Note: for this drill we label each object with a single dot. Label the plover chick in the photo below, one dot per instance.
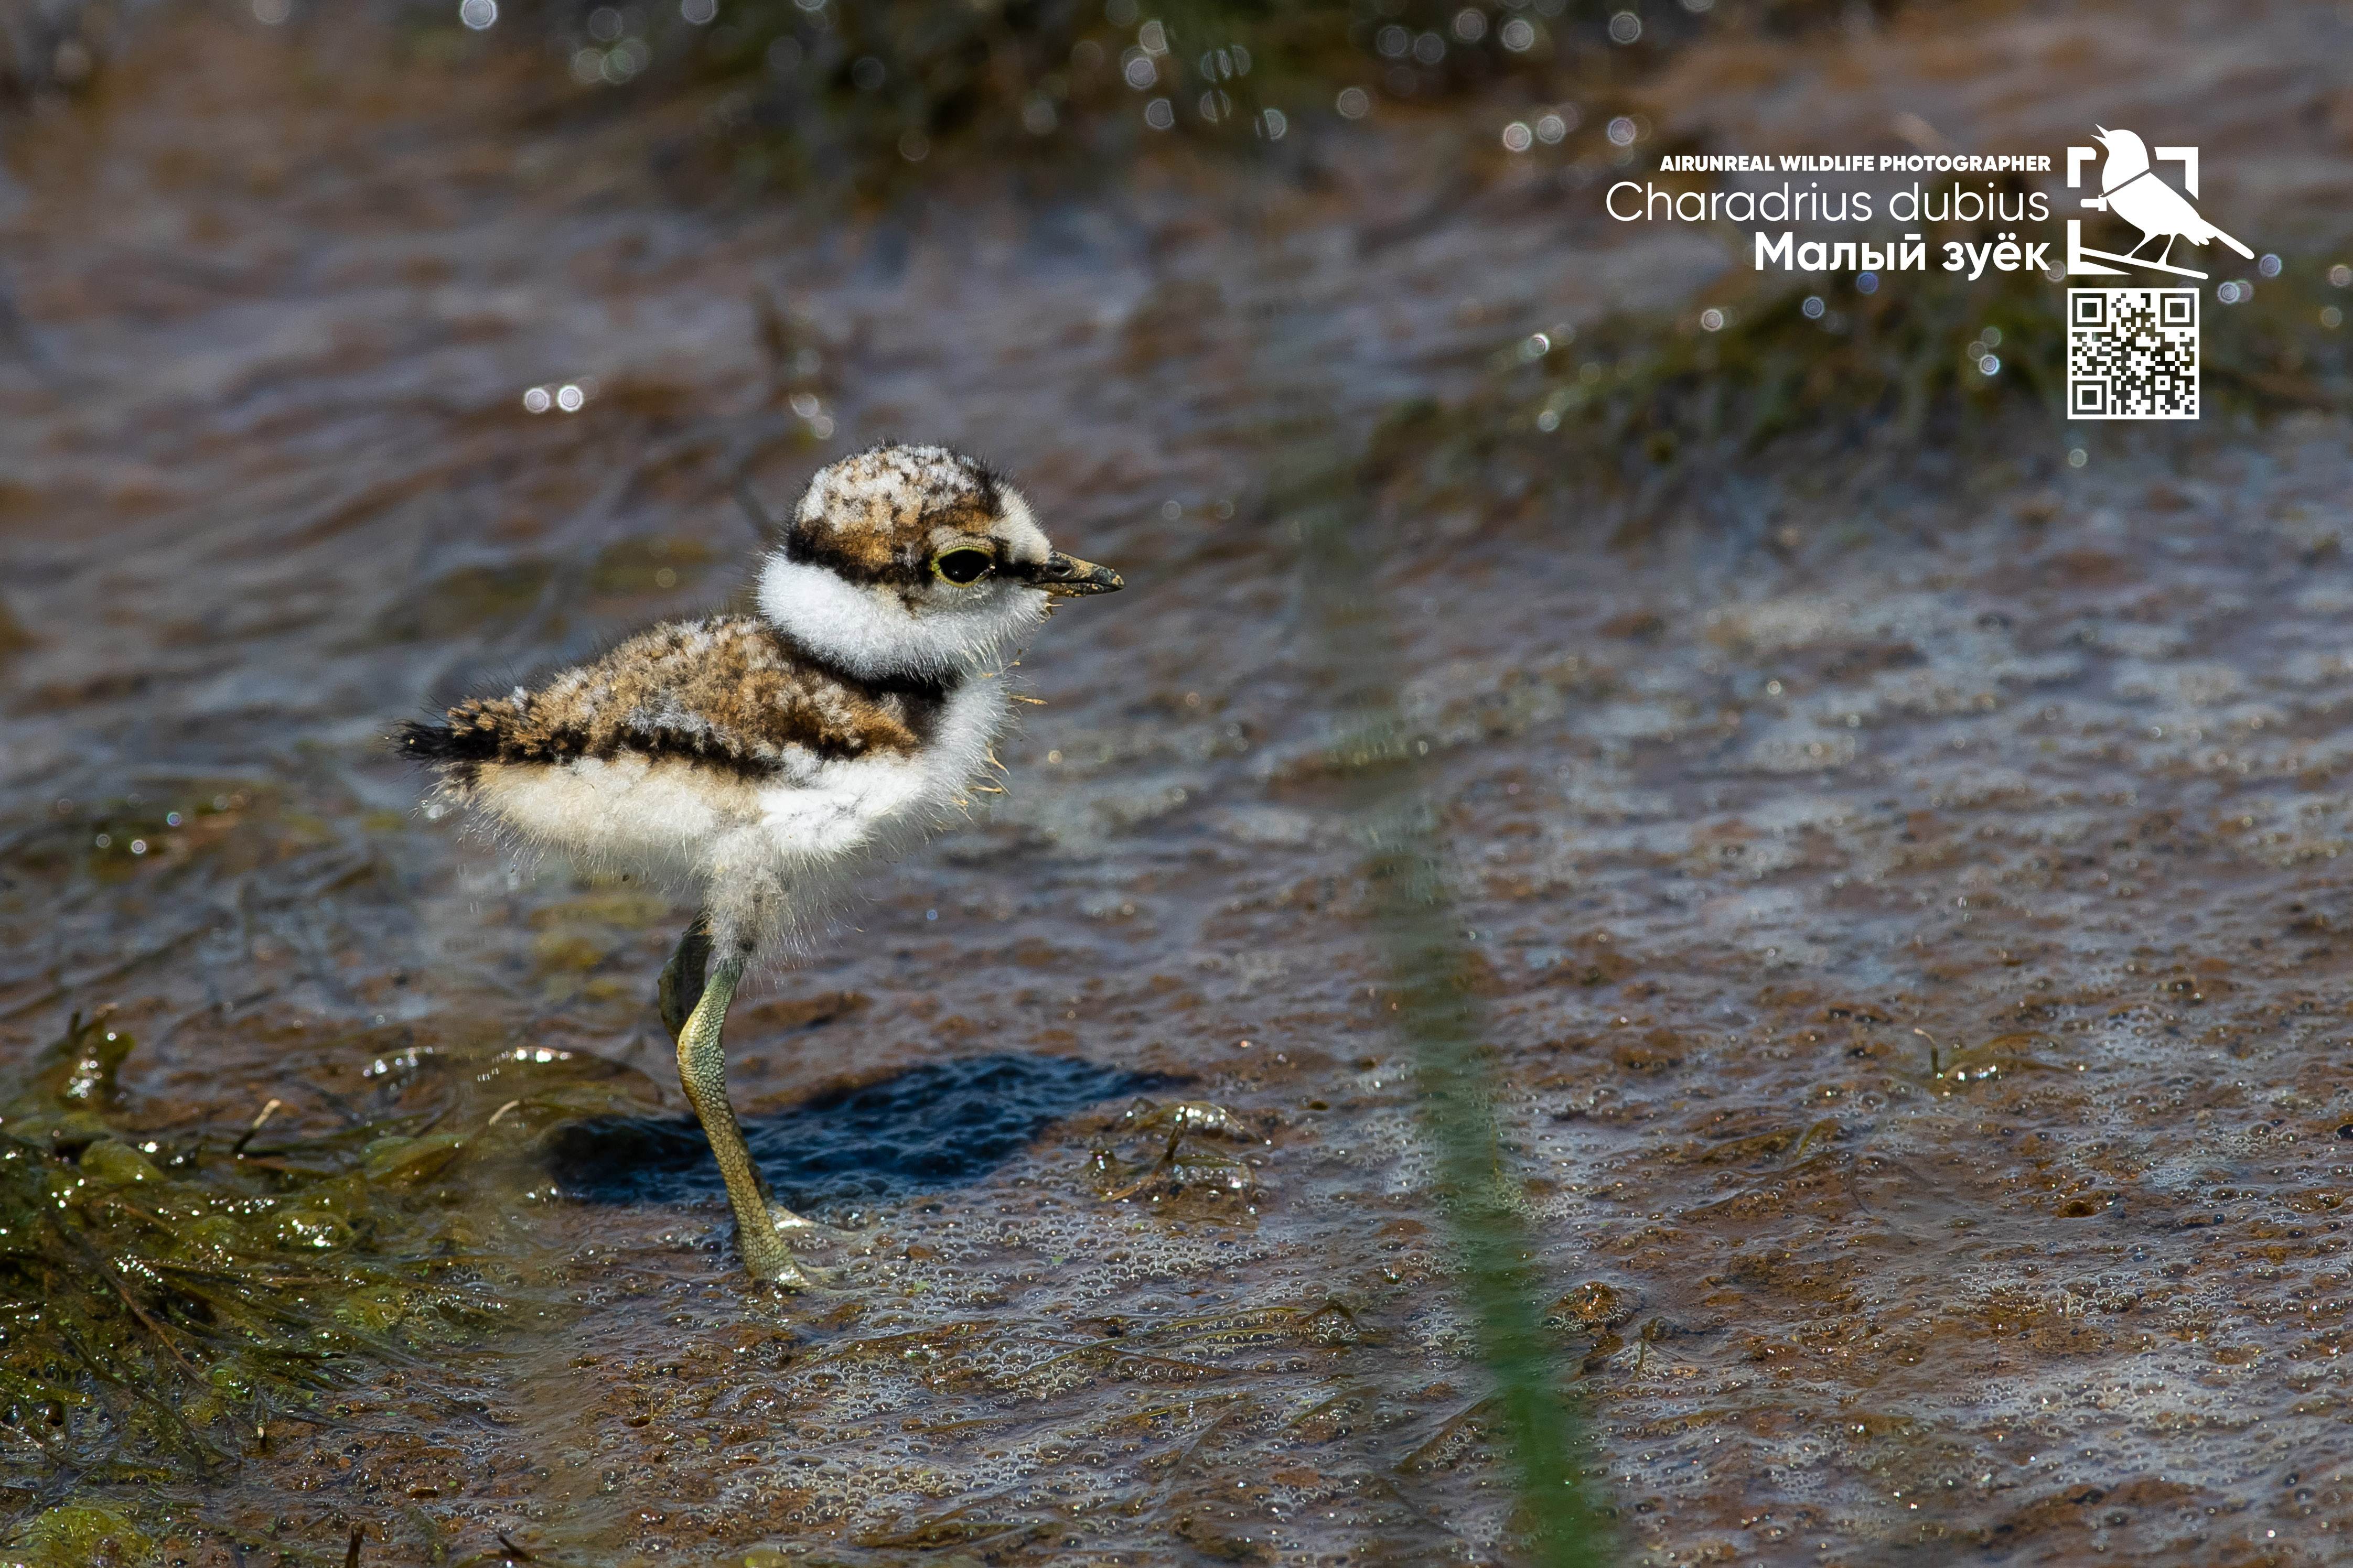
(757, 761)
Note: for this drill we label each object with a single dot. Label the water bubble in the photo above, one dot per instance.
(588, 66)
(1990, 365)
(2269, 265)
(2341, 275)
(1535, 346)
(867, 74)
(478, 15)
(1517, 137)
(1037, 116)
(1354, 103)
(1711, 320)
(105, 841)
(139, 847)
(1172, 510)
(1519, 35)
(1625, 28)
(2077, 457)
(1621, 132)
(1139, 71)
(1120, 12)
(698, 12)
(822, 427)
(2233, 293)
(2331, 317)
(1866, 282)
(626, 60)
(172, 820)
(1550, 129)
(272, 12)
(1273, 123)
(1470, 25)
(536, 400)
(1814, 307)
(784, 55)
(604, 24)
(1392, 41)
(914, 146)
(569, 397)
(1154, 36)
(1160, 114)
(1992, 336)
(1430, 48)
(1548, 420)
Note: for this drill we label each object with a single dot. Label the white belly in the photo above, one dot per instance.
(839, 806)
(631, 813)
(779, 846)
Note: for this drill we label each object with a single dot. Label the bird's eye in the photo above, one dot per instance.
(962, 565)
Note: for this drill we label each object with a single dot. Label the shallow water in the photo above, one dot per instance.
(2044, 763)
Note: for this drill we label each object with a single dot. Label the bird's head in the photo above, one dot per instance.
(915, 561)
(2124, 146)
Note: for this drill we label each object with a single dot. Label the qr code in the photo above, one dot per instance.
(2132, 354)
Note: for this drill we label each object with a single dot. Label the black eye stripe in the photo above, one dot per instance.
(962, 565)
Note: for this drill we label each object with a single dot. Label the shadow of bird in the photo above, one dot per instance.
(2131, 189)
(934, 1125)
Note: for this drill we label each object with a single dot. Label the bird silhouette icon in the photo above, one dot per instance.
(2131, 189)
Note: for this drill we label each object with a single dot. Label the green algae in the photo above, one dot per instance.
(166, 1300)
(879, 98)
(1895, 379)
(160, 1301)
(79, 1536)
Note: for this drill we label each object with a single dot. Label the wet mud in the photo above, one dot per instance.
(1910, 921)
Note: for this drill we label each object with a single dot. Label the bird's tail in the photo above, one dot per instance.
(436, 743)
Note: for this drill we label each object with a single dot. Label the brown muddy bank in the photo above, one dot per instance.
(2044, 763)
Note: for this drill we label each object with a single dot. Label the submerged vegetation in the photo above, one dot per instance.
(170, 1298)
(872, 97)
(1874, 372)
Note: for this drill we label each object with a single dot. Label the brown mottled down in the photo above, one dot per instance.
(730, 691)
(874, 517)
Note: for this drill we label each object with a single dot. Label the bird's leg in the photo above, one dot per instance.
(703, 1071)
(2136, 250)
(2168, 248)
(681, 978)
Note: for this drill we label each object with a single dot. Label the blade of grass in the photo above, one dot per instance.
(1438, 1017)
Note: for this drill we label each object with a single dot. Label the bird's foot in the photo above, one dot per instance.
(805, 1236)
(805, 1279)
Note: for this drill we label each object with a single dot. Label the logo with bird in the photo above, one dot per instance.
(2130, 187)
